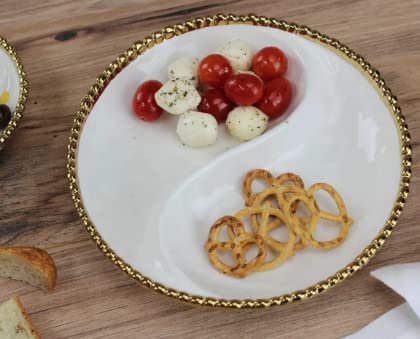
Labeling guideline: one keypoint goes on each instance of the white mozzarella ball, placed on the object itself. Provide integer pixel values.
(246, 122)
(197, 129)
(239, 54)
(177, 96)
(184, 68)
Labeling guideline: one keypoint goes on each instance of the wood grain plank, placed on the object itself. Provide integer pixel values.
(64, 44)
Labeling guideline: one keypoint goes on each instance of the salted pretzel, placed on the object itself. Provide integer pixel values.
(270, 180)
(249, 179)
(342, 218)
(283, 194)
(283, 249)
(238, 246)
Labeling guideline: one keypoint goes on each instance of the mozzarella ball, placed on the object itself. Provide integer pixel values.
(197, 129)
(246, 122)
(177, 96)
(184, 68)
(238, 53)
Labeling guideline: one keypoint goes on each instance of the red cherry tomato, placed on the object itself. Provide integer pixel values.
(144, 104)
(269, 63)
(214, 69)
(276, 98)
(244, 89)
(214, 102)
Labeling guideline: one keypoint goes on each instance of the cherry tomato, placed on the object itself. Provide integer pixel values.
(215, 102)
(214, 69)
(144, 104)
(269, 63)
(244, 89)
(276, 98)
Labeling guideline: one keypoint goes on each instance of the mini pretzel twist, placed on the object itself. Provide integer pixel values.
(272, 183)
(238, 246)
(270, 180)
(249, 179)
(281, 194)
(342, 218)
(283, 249)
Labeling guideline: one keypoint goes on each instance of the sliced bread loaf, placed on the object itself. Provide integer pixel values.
(28, 264)
(14, 321)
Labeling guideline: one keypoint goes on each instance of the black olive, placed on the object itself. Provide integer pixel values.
(5, 115)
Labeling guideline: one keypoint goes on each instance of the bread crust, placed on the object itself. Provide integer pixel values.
(37, 258)
(25, 315)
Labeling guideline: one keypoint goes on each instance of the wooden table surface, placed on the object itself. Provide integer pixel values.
(64, 45)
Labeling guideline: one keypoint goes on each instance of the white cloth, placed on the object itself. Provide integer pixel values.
(402, 322)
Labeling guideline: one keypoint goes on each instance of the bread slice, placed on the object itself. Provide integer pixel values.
(14, 321)
(28, 264)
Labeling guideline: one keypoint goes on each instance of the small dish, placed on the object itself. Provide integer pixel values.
(13, 87)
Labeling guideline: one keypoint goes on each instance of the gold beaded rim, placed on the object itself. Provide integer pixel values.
(23, 91)
(169, 32)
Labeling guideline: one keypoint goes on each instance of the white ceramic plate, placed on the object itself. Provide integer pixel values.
(153, 200)
(13, 87)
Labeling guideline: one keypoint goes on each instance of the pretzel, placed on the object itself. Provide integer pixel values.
(282, 249)
(342, 218)
(249, 179)
(238, 246)
(264, 217)
(290, 177)
(281, 180)
(280, 193)
(272, 181)
(300, 225)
